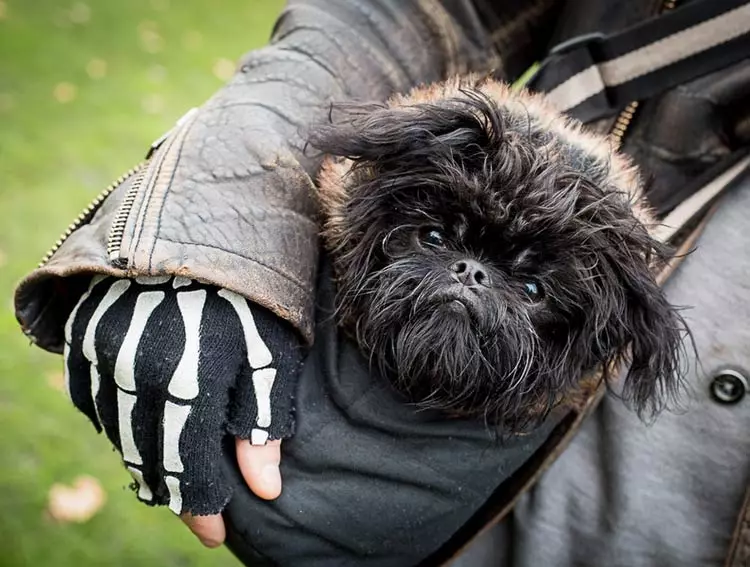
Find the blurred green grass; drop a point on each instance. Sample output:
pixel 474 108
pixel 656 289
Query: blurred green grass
pixel 85 86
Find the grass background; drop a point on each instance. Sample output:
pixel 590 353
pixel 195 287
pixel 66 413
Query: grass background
pixel 85 86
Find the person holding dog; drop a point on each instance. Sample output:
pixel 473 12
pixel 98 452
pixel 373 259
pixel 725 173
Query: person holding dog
pixel 186 309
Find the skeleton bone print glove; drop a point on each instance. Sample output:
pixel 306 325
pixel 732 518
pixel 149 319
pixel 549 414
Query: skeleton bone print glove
pixel 168 367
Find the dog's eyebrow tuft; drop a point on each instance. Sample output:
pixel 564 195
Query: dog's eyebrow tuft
pixel 461 225
pixel 522 258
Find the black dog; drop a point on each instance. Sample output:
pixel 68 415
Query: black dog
pixel 489 253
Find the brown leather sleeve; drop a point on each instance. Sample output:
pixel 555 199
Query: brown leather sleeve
pixel 227 198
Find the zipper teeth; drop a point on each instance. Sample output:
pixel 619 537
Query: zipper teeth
pixel 121 218
pixel 157 155
pixel 89 211
pixel 622 123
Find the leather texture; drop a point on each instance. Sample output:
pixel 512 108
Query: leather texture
pixel 237 209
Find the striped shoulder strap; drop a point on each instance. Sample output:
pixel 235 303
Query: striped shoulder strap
pixel 596 75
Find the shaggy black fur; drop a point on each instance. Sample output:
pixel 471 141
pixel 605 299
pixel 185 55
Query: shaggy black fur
pixel 485 265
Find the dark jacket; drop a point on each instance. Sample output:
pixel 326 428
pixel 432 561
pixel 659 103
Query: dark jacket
pixel 227 198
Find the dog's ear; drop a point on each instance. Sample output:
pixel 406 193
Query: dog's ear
pixel 642 325
pixel 379 133
pixel 656 331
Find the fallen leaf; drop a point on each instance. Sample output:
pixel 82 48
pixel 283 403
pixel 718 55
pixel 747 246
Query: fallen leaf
pixel 80 13
pixel 153 104
pixel 192 40
pixel 147 26
pixel 224 69
pixel 160 5
pixel 157 73
pixel 96 68
pixel 56 381
pixel 76 503
pixel 65 92
pixel 151 39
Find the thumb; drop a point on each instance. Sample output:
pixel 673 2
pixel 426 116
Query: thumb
pixel 259 465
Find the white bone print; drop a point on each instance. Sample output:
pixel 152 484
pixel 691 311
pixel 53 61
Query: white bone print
pixel 258 436
pixel 258 357
pixel 95 383
pixel 175 495
pixel 183 385
pixel 184 382
pixel 258 354
pixel 69 331
pixel 144 492
pixel 125 365
pixel 179 282
pixel 174 422
pixel 125 405
pixel 263 384
pixel 89 349
pixel 112 295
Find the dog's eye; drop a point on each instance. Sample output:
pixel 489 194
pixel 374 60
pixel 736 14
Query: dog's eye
pixel 533 290
pixel 432 236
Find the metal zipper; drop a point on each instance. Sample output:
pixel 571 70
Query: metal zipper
pixel 623 120
pixel 154 162
pixel 90 210
pixel 122 214
pixel 117 229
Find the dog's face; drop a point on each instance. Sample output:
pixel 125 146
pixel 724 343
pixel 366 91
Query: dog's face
pixel 487 256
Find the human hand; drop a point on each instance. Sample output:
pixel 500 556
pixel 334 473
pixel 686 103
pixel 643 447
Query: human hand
pixel 259 465
pixel 167 367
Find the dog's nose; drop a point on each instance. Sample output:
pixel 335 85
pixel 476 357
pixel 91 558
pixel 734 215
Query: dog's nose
pixel 471 273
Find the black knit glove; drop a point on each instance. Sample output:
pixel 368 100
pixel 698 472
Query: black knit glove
pixel 168 367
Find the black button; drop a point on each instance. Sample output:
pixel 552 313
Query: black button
pixel 729 386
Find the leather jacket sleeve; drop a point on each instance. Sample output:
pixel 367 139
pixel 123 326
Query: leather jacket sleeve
pixel 227 198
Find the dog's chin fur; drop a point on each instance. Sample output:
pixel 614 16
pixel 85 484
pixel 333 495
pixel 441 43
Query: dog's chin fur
pixel 509 183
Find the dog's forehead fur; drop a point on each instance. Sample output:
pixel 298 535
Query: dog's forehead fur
pixel 527 119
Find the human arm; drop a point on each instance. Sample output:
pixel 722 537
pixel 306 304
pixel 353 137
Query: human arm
pixel 235 210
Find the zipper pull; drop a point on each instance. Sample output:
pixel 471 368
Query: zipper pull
pixel 156 144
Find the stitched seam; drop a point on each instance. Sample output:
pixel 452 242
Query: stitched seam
pixel 164 201
pixel 179 136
